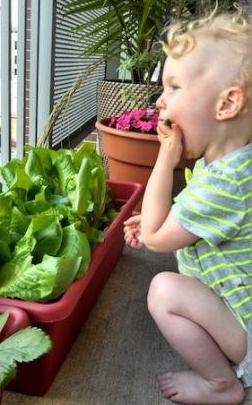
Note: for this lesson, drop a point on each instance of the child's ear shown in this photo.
(230, 103)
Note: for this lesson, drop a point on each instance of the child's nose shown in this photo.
(160, 103)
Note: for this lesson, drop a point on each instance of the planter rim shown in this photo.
(128, 82)
(102, 126)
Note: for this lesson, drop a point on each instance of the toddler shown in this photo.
(205, 312)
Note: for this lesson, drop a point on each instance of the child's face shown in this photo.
(192, 85)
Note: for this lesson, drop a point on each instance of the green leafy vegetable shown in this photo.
(168, 123)
(53, 212)
(19, 224)
(23, 346)
(63, 269)
(46, 229)
(75, 244)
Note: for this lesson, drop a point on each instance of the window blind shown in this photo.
(68, 63)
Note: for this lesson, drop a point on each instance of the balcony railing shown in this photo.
(40, 58)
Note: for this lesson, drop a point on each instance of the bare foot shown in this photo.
(188, 387)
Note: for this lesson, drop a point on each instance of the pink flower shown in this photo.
(141, 120)
(123, 124)
(138, 114)
(151, 111)
(144, 126)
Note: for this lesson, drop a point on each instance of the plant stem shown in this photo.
(63, 103)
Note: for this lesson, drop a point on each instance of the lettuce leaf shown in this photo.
(25, 345)
(8, 171)
(5, 210)
(65, 269)
(75, 244)
(35, 170)
(46, 229)
(66, 171)
(19, 278)
(21, 180)
(18, 225)
(5, 252)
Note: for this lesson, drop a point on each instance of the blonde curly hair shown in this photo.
(181, 38)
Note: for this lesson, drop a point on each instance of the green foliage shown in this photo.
(23, 346)
(130, 30)
(52, 214)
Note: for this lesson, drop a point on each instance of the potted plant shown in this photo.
(128, 32)
(131, 146)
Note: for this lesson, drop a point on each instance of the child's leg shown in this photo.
(205, 333)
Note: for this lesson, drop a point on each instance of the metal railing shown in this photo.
(31, 77)
(14, 83)
(5, 81)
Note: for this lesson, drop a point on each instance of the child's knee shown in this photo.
(162, 292)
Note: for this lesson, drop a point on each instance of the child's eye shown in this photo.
(174, 87)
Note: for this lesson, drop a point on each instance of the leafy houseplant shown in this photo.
(125, 30)
(133, 22)
(129, 32)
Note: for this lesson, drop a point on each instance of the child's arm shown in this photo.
(159, 229)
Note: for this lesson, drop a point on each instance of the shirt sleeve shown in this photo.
(211, 207)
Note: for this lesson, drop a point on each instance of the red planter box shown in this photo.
(63, 319)
(18, 319)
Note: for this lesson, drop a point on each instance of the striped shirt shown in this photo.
(216, 205)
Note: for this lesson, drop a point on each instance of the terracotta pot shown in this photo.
(131, 156)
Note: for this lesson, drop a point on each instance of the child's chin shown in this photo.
(191, 155)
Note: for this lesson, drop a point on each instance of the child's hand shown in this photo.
(132, 232)
(171, 139)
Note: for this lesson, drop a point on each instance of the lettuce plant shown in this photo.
(53, 211)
